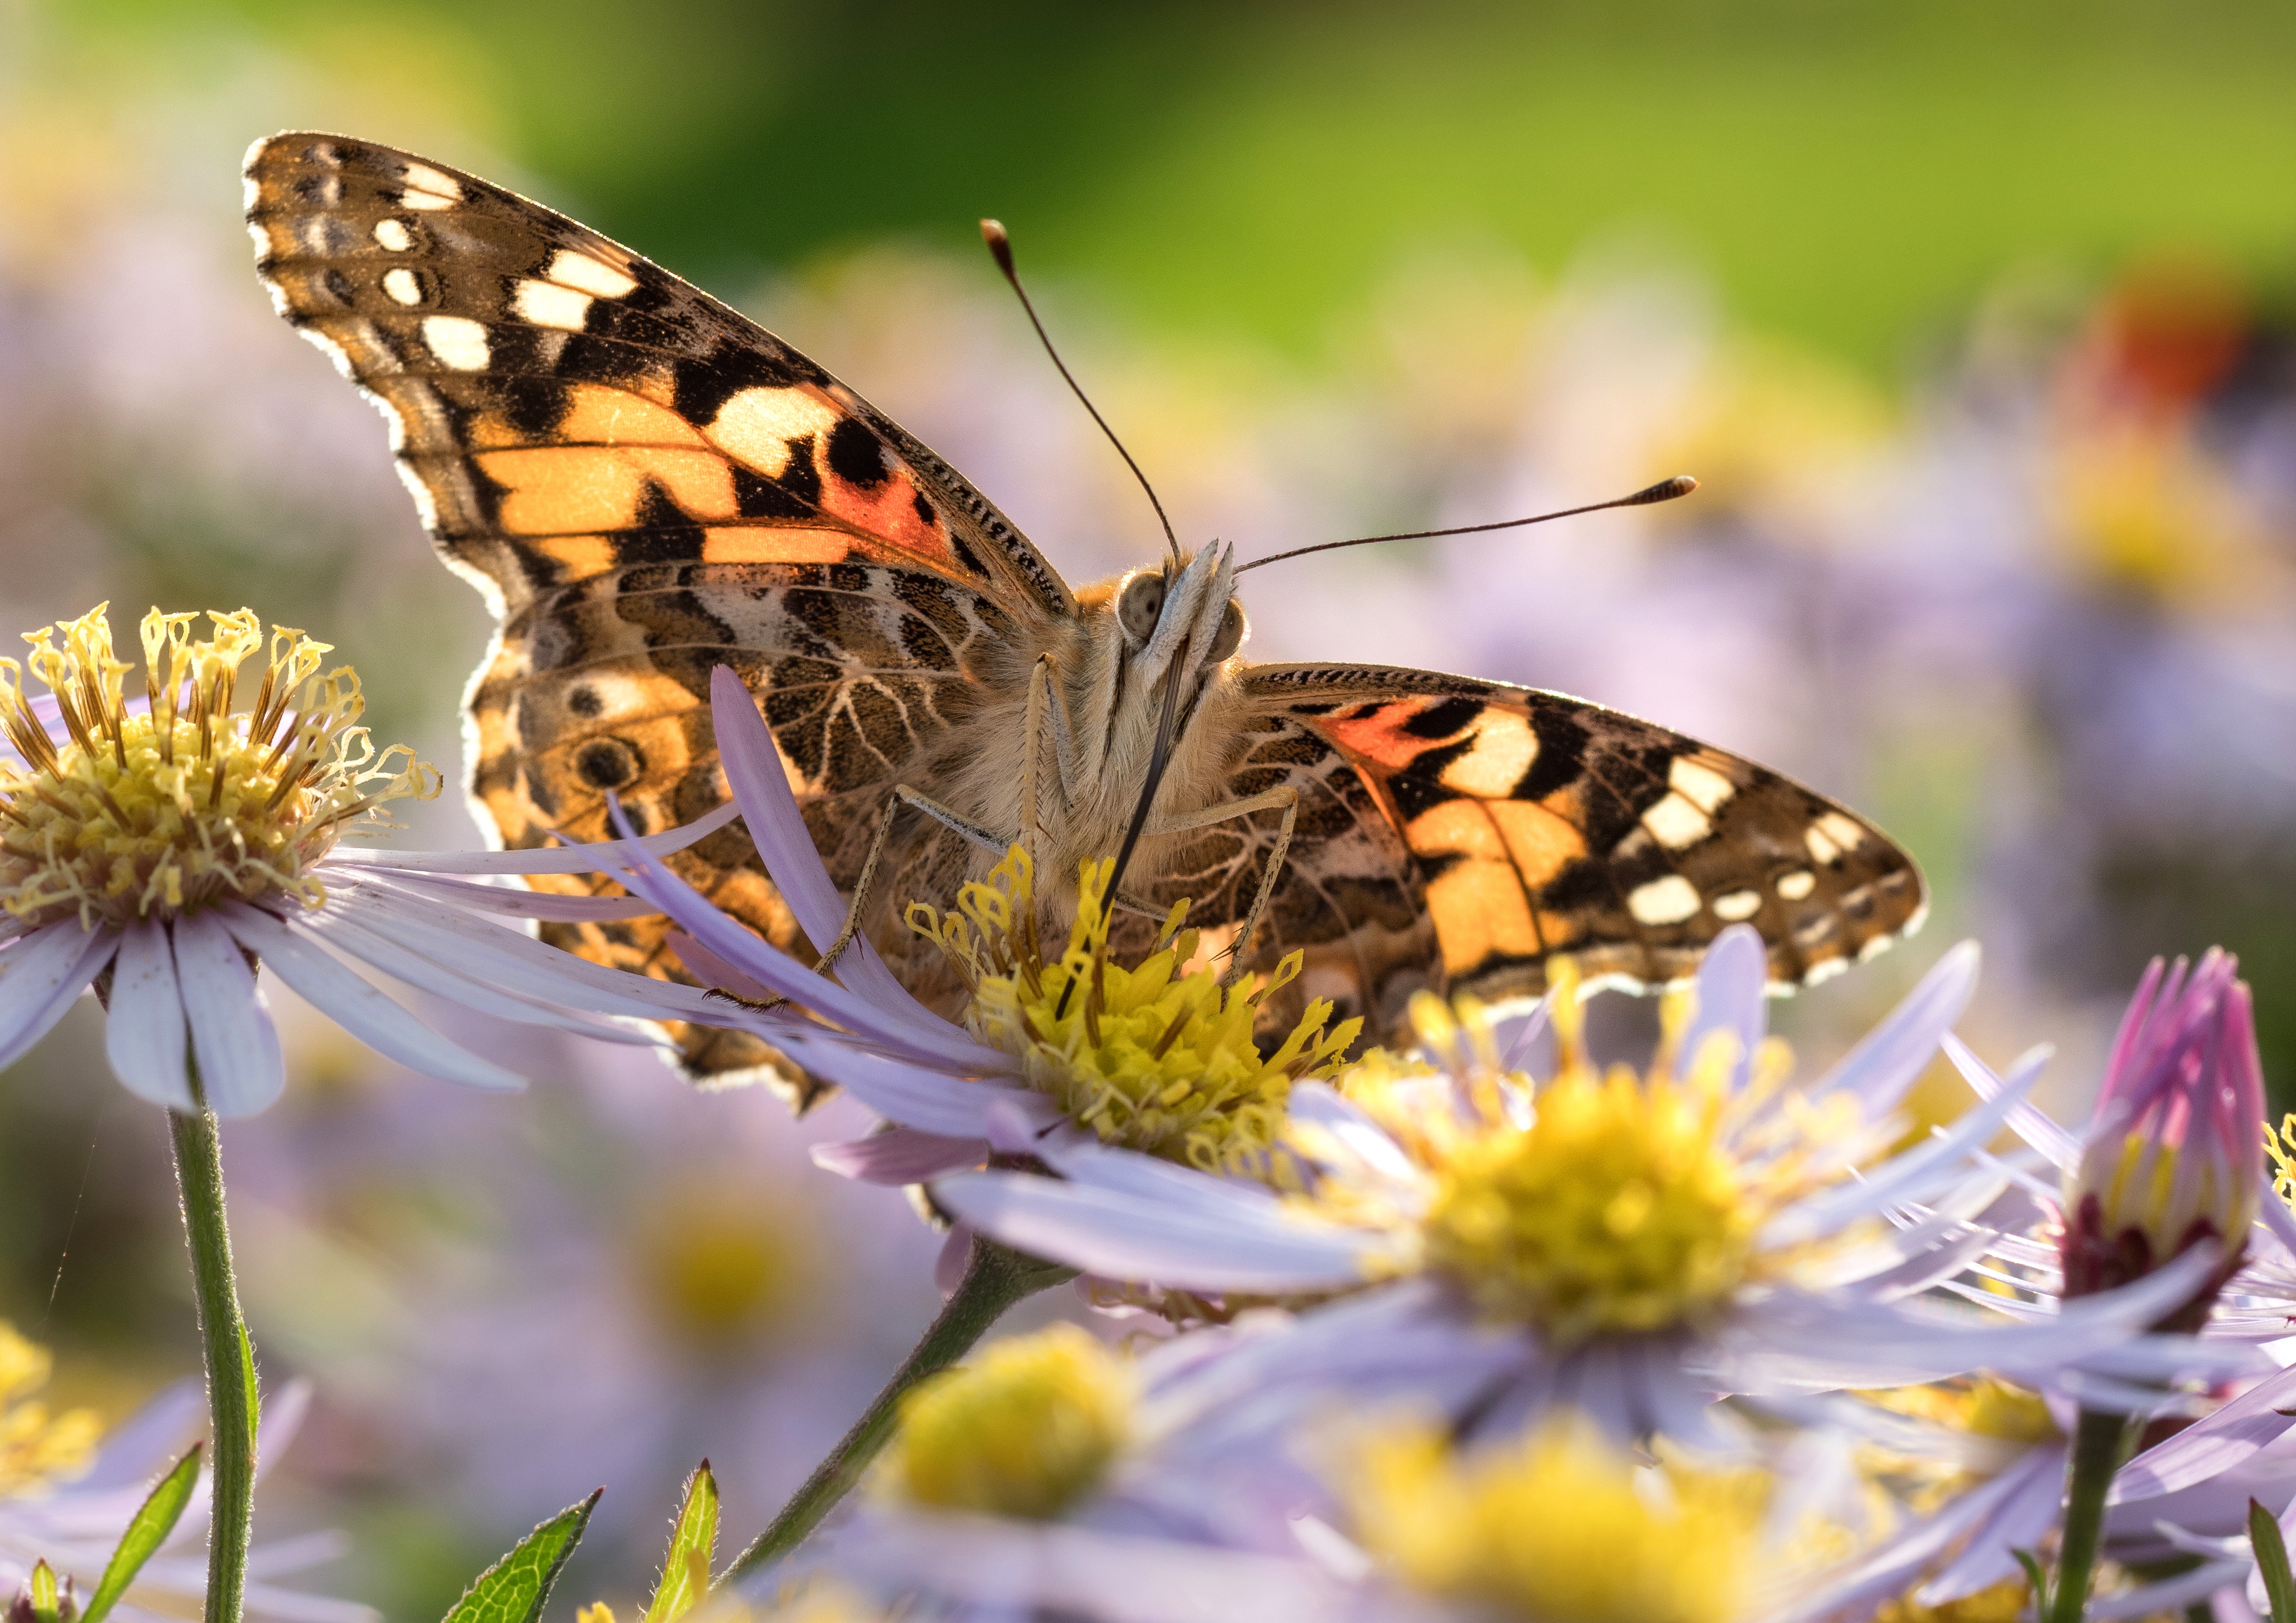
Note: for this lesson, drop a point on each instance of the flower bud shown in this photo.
(2173, 1156)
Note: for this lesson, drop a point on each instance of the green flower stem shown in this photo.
(995, 1278)
(230, 1359)
(2099, 1440)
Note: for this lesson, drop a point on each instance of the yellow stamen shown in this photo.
(1153, 1057)
(189, 803)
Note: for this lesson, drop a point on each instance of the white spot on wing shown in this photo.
(1700, 785)
(1842, 831)
(1875, 946)
(456, 340)
(401, 284)
(1822, 848)
(1663, 901)
(1797, 884)
(394, 235)
(1504, 748)
(1824, 970)
(427, 188)
(1675, 823)
(546, 304)
(1737, 906)
(581, 271)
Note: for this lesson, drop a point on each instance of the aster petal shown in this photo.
(1884, 1065)
(240, 1068)
(713, 970)
(514, 961)
(342, 927)
(915, 1096)
(1899, 1177)
(1319, 1106)
(933, 1041)
(760, 786)
(1083, 1160)
(900, 1156)
(518, 903)
(2061, 1148)
(2277, 1219)
(1035, 1567)
(146, 1037)
(2211, 1446)
(2169, 1594)
(1732, 981)
(1207, 1247)
(2027, 1508)
(40, 975)
(356, 1004)
(593, 858)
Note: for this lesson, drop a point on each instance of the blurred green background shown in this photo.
(1333, 267)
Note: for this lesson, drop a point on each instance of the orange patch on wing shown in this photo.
(614, 417)
(1379, 737)
(775, 544)
(560, 489)
(579, 556)
(889, 511)
(1540, 842)
(1480, 912)
(1457, 828)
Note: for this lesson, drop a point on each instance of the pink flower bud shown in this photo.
(2174, 1153)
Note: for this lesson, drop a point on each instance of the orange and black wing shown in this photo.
(1457, 835)
(645, 484)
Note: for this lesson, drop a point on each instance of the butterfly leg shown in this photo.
(1287, 799)
(902, 795)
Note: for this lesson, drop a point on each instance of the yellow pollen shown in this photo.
(1027, 1430)
(1557, 1527)
(1152, 1057)
(1598, 1203)
(187, 803)
(37, 1448)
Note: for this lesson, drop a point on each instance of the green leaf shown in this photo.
(147, 1530)
(2272, 1560)
(514, 1588)
(2038, 1577)
(247, 1373)
(693, 1542)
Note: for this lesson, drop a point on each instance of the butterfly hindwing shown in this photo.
(1514, 825)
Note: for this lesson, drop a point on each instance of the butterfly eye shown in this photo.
(1232, 628)
(1139, 603)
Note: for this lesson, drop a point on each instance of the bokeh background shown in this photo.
(1979, 325)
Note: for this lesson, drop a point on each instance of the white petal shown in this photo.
(2169, 1594)
(1732, 979)
(599, 858)
(915, 1096)
(1084, 1160)
(356, 1004)
(240, 1069)
(760, 785)
(40, 975)
(2209, 1446)
(342, 927)
(900, 1156)
(1125, 1237)
(2060, 1147)
(1899, 1177)
(1896, 1051)
(518, 903)
(144, 1034)
(2025, 1513)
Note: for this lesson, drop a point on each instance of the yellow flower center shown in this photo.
(1601, 1202)
(1558, 1529)
(2002, 1603)
(1156, 1057)
(1027, 1430)
(188, 804)
(37, 1448)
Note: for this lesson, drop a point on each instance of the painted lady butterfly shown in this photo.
(646, 484)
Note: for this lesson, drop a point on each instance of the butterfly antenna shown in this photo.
(1000, 245)
(1665, 490)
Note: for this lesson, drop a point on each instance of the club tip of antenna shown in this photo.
(1000, 243)
(1665, 490)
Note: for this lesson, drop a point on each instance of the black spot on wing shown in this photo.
(1420, 785)
(855, 457)
(703, 387)
(1563, 741)
(1443, 719)
(661, 533)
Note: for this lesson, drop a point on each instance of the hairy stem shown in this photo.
(2098, 1443)
(230, 1359)
(995, 1278)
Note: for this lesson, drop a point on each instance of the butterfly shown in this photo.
(645, 484)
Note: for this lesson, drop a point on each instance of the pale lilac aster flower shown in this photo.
(158, 846)
(1632, 1247)
(75, 1524)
